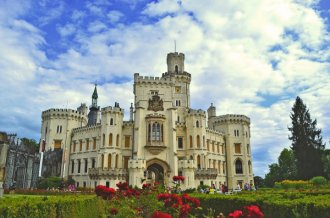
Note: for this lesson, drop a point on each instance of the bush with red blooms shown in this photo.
(159, 214)
(251, 211)
(184, 204)
(113, 211)
(145, 186)
(105, 192)
(178, 178)
(122, 186)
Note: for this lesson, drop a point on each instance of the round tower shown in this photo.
(175, 63)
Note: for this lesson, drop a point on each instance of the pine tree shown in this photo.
(306, 142)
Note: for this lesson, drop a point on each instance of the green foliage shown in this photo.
(286, 169)
(259, 182)
(52, 207)
(318, 180)
(50, 182)
(306, 142)
(30, 143)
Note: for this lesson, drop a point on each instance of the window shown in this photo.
(94, 143)
(80, 145)
(213, 146)
(102, 160)
(79, 165)
(57, 144)
(178, 120)
(180, 143)
(103, 141)
(191, 141)
(222, 149)
(218, 149)
(176, 69)
(197, 124)
(219, 166)
(111, 121)
(84, 184)
(116, 163)
(198, 162)
(198, 141)
(126, 159)
(72, 166)
(86, 165)
(238, 166)
(74, 146)
(248, 149)
(154, 92)
(237, 148)
(208, 144)
(109, 161)
(127, 141)
(110, 139)
(93, 163)
(117, 140)
(177, 103)
(224, 167)
(87, 144)
(155, 134)
(46, 130)
(60, 129)
(249, 164)
(203, 141)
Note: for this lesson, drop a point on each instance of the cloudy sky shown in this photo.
(248, 57)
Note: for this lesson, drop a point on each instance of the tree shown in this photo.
(326, 163)
(259, 182)
(307, 142)
(30, 143)
(286, 168)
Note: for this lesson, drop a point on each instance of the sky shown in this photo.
(246, 57)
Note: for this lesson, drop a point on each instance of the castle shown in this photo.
(163, 138)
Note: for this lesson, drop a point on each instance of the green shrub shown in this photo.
(318, 180)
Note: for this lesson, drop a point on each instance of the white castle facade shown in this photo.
(163, 137)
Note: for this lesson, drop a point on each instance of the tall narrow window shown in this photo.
(80, 145)
(109, 161)
(74, 146)
(180, 143)
(176, 69)
(110, 139)
(213, 146)
(155, 132)
(72, 166)
(103, 141)
(191, 141)
(86, 165)
(238, 166)
(111, 121)
(249, 165)
(248, 149)
(116, 163)
(218, 149)
(198, 140)
(126, 159)
(93, 163)
(203, 141)
(79, 165)
(224, 167)
(94, 143)
(117, 140)
(197, 124)
(198, 162)
(149, 132)
(87, 144)
(208, 144)
(102, 160)
(127, 141)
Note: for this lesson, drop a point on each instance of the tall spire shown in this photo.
(94, 97)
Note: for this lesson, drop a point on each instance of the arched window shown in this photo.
(239, 166)
(110, 139)
(249, 164)
(198, 162)
(109, 161)
(117, 140)
(191, 141)
(116, 163)
(111, 121)
(102, 161)
(197, 124)
(176, 69)
(198, 141)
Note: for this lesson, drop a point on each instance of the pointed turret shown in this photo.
(93, 115)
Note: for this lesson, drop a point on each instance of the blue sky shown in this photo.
(248, 57)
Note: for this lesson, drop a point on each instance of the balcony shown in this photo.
(105, 173)
(209, 173)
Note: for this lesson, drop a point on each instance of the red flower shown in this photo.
(178, 178)
(113, 211)
(254, 212)
(184, 211)
(236, 214)
(158, 214)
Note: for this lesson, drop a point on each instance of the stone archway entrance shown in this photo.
(157, 171)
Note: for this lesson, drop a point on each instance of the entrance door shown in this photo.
(156, 173)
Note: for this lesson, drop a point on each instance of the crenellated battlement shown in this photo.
(232, 118)
(86, 128)
(180, 124)
(208, 130)
(198, 112)
(60, 112)
(137, 163)
(152, 80)
(186, 164)
(111, 109)
(128, 123)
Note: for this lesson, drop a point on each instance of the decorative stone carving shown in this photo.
(155, 104)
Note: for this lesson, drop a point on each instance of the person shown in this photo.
(238, 186)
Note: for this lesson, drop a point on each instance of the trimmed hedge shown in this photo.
(53, 206)
(271, 204)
